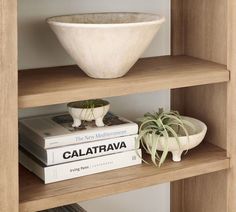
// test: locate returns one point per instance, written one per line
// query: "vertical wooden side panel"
(177, 97)
(204, 35)
(177, 27)
(206, 193)
(177, 196)
(209, 192)
(205, 29)
(231, 102)
(209, 104)
(8, 107)
(199, 29)
(177, 187)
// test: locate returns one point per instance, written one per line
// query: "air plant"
(89, 104)
(154, 126)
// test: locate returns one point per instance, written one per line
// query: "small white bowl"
(79, 113)
(185, 144)
(106, 45)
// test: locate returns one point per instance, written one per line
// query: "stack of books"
(53, 150)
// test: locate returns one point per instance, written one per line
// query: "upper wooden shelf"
(34, 195)
(39, 87)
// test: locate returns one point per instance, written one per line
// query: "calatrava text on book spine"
(79, 151)
(94, 150)
(90, 149)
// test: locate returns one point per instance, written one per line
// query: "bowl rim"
(71, 105)
(160, 19)
(202, 125)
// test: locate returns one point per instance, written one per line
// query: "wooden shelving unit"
(36, 196)
(202, 83)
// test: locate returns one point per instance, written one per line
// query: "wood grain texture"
(206, 193)
(231, 105)
(227, 106)
(203, 193)
(177, 27)
(177, 201)
(209, 104)
(205, 29)
(65, 84)
(37, 196)
(199, 29)
(177, 100)
(8, 107)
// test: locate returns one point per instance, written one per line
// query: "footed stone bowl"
(106, 45)
(195, 138)
(96, 113)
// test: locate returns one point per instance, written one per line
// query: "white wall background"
(38, 47)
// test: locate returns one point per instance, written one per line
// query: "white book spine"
(93, 135)
(81, 168)
(82, 136)
(80, 151)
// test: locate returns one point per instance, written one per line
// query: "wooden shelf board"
(39, 87)
(34, 195)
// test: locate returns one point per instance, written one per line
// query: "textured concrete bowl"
(88, 114)
(106, 45)
(194, 140)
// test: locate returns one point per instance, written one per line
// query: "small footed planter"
(169, 132)
(194, 138)
(88, 110)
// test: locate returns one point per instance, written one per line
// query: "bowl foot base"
(99, 122)
(176, 155)
(77, 123)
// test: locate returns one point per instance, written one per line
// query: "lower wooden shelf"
(34, 195)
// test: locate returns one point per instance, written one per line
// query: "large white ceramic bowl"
(195, 138)
(106, 45)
